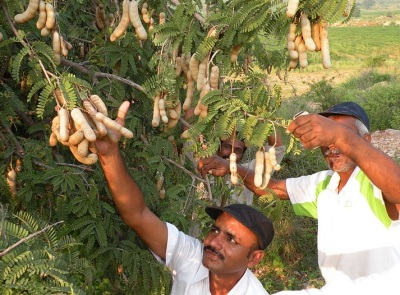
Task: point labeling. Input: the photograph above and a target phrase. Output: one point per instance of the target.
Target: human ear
(255, 257)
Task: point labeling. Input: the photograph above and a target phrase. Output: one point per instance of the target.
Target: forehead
(235, 143)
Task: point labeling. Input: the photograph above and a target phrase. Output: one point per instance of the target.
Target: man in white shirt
(220, 265)
(356, 201)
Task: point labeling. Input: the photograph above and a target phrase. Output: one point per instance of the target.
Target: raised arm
(127, 196)
(315, 130)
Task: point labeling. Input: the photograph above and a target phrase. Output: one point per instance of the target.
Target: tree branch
(85, 70)
(28, 238)
(183, 168)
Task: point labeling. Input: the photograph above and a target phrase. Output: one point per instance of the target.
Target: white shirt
(356, 237)
(184, 259)
(385, 283)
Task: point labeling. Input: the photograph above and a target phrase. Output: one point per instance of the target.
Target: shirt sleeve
(303, 192)
(182, 250)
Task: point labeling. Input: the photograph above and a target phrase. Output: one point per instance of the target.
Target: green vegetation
(92, 251)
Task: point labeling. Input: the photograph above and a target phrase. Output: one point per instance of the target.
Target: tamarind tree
(165, 57)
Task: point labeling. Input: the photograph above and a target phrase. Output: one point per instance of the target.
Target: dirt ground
(388, 141)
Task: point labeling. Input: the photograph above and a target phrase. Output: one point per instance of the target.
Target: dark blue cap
(350, 109)
(251, 218)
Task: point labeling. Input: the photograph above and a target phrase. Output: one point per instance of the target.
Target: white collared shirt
(184, 259)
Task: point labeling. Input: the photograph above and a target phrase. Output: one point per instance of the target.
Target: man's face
(227, 146)
(333, 156)
(229, 247)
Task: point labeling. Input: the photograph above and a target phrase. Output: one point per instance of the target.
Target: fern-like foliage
(51, 259)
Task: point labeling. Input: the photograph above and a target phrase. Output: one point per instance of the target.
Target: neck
(221, 285)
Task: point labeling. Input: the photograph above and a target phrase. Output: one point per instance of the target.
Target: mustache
(212, 249)
(332, 152)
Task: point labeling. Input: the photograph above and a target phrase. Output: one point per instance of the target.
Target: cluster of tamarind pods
(79, 128)
(47, 25)
(313, 37)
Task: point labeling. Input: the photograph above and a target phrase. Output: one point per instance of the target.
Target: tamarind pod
(110, 123)
(76, 137)
(64, 50)
(60, 96)
(302, 50)
(90, 159)
(161, 19)
(293, 54)
(214, 77)
(178, 109)
(53, 139)
(172, 114)
(234, 178)
(292, 7)
(185, 134)
(41, 22)
(101, 128)
(99, 104)
(93, 148)
(232, 163)
(258, 168)
(83, 124)
(323, 32)
(145, 16)
(160, 182)
(50, 16)
(306, 32)
(156, 111)
(194, 67)
(64, 124)
(83, 148)
(12, 182)
(161, 107)
(57, 46)
(151, 24)
(44, 32)
(315, 36)
(202, 74)
(189, 92)
(235, 53)
(97, 17)
(68, 45)
(197, 110)
(123, 24)
(29, 13)
(162, 194)
(184, 63)
(55, 125)
(290, 46)
(135, 20)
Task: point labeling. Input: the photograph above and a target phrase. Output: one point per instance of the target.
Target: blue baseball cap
(350, 109)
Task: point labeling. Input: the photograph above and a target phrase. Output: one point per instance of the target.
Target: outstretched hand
(105, 145)
(213, 165)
